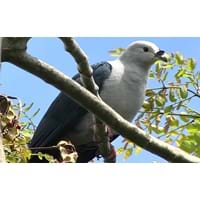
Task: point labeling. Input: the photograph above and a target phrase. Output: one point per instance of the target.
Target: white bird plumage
(124, 90)
(122, 85)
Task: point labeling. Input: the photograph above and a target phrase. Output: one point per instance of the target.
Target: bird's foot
(111, 157)
(109, 132)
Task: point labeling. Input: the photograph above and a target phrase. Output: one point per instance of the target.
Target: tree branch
(87, 79)
(84, 68)
(14, 43)
(176, 87)
(89, 101)
(172, 114)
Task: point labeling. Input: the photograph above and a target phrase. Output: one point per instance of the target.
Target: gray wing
(64, 113)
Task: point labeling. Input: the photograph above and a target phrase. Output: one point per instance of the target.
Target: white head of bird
(142, 53)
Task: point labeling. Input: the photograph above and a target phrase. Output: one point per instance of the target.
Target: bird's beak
(161, 55)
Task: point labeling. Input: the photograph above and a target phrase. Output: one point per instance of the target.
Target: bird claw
(109, 132)
(111, 157)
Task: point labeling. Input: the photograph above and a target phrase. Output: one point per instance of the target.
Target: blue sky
(16, 82)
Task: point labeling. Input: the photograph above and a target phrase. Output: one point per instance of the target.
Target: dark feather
(63, 114)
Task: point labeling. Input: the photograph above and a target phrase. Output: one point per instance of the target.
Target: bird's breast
(124, 95)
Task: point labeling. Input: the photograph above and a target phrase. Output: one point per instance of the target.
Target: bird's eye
(145, 49)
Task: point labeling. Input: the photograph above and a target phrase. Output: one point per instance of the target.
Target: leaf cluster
(170, 111)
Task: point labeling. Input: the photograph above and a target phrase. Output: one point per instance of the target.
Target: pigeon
(122, 83)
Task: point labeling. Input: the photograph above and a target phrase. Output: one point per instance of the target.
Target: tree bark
(87, 79)
(86, 99)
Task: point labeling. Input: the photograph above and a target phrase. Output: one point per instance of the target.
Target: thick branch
(82, 96)
(87, 79)
(18, 43)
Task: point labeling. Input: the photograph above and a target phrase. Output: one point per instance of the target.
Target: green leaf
(198, 75)
(167, 66)
(183, 92)
(164, 77)
(168, 109)
(157, 129)
(197, 120)
(138, 149)
(172, 97)
(188, 146)
(191, 63)
(184, 118)
(160, 100)
(197, 151)
(151, 75)
(179, 58)
(146, 105)
(120, 150)
(40, 155)
(196, 138)
(38, 110)
(116, 52)
(150, 93)
(160, 129)
(180, 73)
(158, 67)
(28, 107)
(26, 154)
(173, 133)
(188, 75)
(193, 128)
(128, 153)
(27, 132)
(49, 158)
(172, 121)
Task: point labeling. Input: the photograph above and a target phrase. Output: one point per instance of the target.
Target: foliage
(15, 135)
(17, 128)
(170, 111)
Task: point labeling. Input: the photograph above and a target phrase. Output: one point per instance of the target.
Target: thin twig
(173, 114)
(187, 99)
(44, 148)
(30, 120)
(176, 87)
(196, 94)
(180, 127)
